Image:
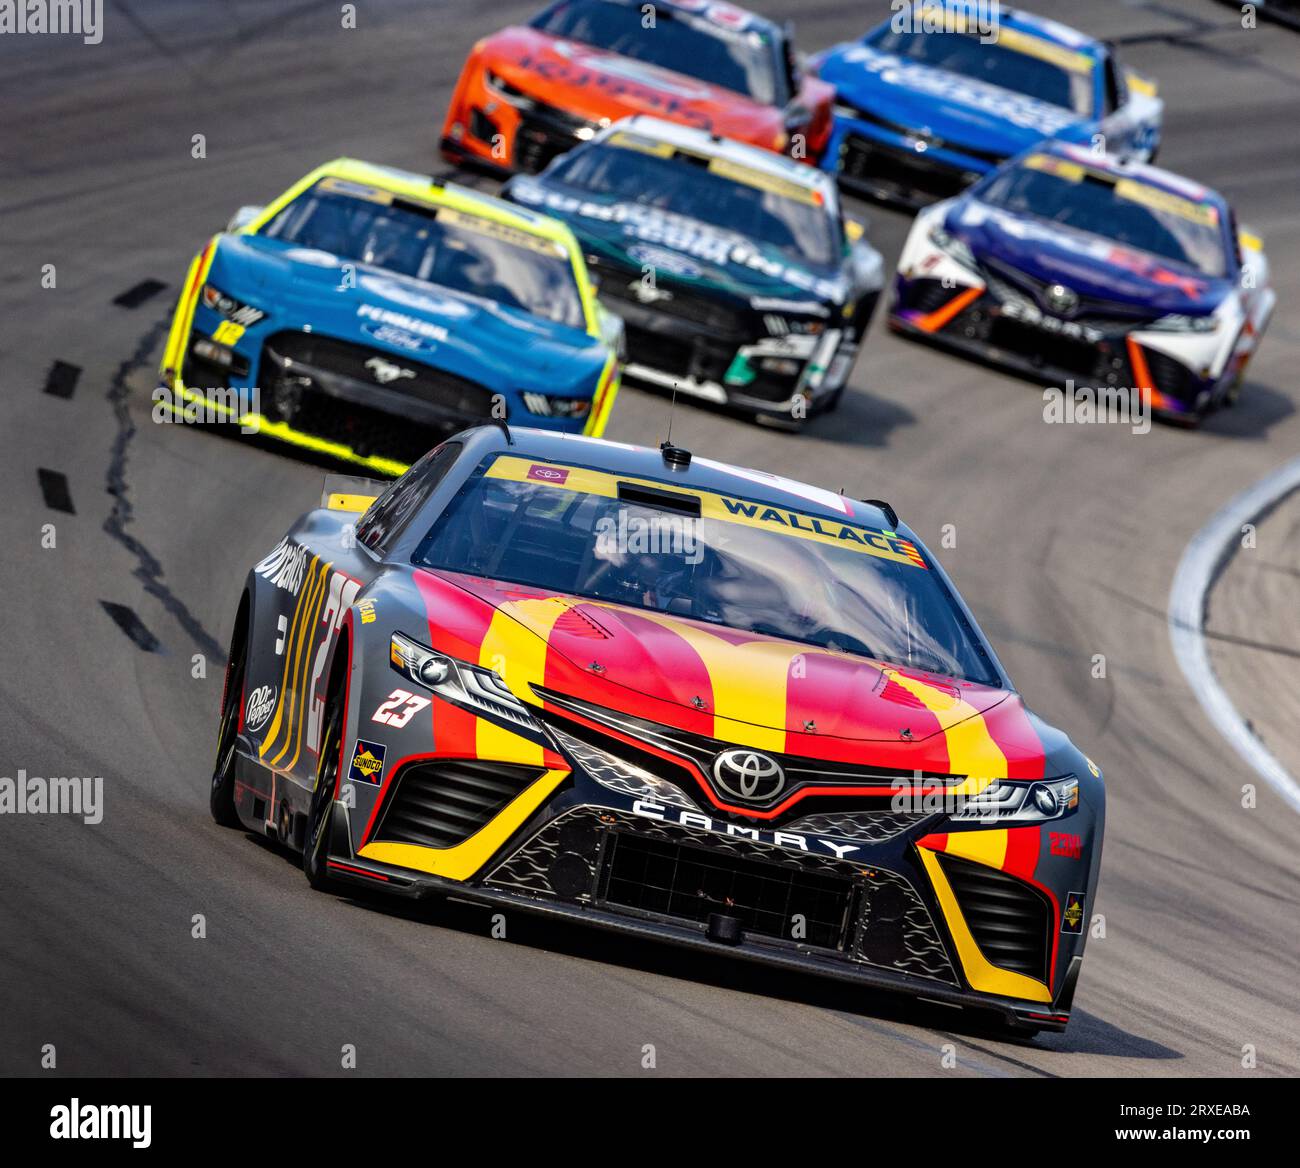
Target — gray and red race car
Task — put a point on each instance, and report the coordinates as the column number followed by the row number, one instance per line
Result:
column 664, row 696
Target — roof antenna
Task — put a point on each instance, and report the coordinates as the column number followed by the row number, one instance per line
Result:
column 674, row 456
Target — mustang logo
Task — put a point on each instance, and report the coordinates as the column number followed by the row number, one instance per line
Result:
column 385, row 372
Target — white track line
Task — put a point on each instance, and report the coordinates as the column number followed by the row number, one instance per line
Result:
column 1209, row 550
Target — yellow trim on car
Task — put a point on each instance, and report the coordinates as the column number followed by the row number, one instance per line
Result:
column 463, row 860
column 982, row 974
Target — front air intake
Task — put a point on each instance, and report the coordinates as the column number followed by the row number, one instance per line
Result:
column 1010, row 920
column 442, row 802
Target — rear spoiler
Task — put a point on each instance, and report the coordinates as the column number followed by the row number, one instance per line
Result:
column 350, row 493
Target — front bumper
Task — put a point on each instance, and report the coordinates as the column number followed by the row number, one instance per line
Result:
column 970, row 320
column 490, row 132
column 910, row 170
column 731, row 360
column 310, row 393
column 865, row 908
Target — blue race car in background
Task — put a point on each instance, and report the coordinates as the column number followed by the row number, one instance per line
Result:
column 1069, row 267
column 369, row 312
column 931, row 100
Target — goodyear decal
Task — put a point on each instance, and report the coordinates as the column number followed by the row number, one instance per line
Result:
column 502, row 231
column 1139, row 192
column 887, row 545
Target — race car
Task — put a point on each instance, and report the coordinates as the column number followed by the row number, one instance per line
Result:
column 532, row 92
column 1115, row 277
column 935, row 98
column 668, row 697
column 735, row 273
column 368, row 312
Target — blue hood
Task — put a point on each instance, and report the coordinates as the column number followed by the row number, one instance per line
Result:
column 960, row 110
column 501, row 348
column 1091, row 266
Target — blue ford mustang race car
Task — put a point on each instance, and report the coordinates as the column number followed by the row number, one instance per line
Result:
column 934, row 98
column 1068, row 266
column 368, row 312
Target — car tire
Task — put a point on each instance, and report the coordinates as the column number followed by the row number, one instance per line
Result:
column 221, row 798
column 315, row 850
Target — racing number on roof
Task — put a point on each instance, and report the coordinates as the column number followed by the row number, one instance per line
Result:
column 342, row 592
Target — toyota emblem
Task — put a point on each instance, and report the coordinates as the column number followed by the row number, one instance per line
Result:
column 749, row 775
column 1061, row 299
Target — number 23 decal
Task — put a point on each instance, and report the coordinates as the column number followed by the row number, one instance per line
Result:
column 399, row 709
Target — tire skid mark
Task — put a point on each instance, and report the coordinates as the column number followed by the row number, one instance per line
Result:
column 148, row 570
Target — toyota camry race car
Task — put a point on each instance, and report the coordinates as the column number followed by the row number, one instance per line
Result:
column 941, row 93
column 1073, row 268
column 735, row 273
column 530, row 93
column 668, row 697
column 368, row 312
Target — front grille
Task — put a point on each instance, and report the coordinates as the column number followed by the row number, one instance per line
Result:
column 1049, row 350
column 433, row 386
column 667, row 354
column 1091, row 310
column 443, row 802
column 293, row 363
column 1170, row 376
column 691, row 756
column 545, row 132
column 718, row 318
column 650, row 867
column 1010, row 920
column 873, row 826
column 669, row 879
column 907, row 172
column 932, row 141
column 926, row 295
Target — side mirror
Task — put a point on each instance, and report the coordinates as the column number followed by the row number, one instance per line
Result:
column 242, row 218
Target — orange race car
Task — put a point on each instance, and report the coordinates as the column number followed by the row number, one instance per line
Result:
column 532, row 92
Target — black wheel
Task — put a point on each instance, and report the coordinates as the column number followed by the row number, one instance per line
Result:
column 316, row 850
column 221, row 800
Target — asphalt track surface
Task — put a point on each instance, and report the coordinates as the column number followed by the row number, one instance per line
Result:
column 1067, row 538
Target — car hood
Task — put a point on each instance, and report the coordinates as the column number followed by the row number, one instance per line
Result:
column 595, row 84
column 466, row 335
column 758, row 690
column 960, row 110
column 1089, row 265
column 681, row 249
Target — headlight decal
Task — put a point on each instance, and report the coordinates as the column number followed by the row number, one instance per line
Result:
column 471, row 687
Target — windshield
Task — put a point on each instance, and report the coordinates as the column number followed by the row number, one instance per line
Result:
column 736, row 58
column 1126, row 210
column 705, row 556
column 731, row 197
column 1023, row 64
column 439, row 245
